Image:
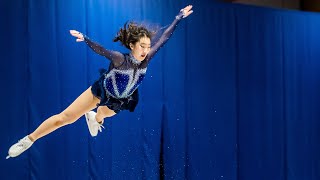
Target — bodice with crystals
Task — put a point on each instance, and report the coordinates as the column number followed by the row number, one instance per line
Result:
column 122, row 81
column 125, row 73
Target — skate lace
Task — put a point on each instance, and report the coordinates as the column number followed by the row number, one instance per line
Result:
column 22, row 143
column 100, row 127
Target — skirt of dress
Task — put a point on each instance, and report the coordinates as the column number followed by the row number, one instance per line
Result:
column 115, row 104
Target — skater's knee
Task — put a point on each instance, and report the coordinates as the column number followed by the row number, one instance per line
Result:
column 65, row 118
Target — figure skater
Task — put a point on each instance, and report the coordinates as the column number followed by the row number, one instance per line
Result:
column 116, row 89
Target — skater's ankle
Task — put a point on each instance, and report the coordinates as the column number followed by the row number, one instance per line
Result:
column 31, row 138
column 99, row 120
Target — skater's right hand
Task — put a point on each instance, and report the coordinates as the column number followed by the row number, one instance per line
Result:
column 186, row 11
column 77, row 34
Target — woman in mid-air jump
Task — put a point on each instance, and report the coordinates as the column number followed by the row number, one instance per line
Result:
column 116, row 89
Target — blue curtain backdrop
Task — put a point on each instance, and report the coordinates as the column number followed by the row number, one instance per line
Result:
column 233, row 95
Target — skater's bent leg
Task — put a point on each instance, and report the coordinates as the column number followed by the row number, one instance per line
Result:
column 103, row 112
column 84, row 103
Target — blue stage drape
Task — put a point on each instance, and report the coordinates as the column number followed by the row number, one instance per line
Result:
column 234, row 94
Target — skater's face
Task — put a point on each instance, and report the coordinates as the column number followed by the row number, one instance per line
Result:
column 141, row 48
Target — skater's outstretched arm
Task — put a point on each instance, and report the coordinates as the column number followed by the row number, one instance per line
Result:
column 185, row 12
column 116, row 57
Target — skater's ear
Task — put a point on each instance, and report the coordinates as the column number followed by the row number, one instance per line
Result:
column 131, row 46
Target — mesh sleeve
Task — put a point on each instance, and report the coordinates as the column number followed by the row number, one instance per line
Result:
column 116, row 57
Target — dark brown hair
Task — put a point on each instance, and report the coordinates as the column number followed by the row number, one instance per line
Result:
column 132, row 33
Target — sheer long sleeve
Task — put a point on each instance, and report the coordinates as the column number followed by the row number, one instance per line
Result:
column 165, row 36
column 116, row 57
